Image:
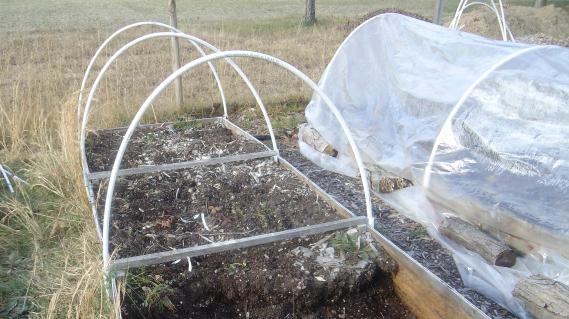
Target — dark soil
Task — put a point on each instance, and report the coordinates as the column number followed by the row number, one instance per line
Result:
column 402, row 231
column 161, row 211
column 171, row 143
column 313, row 277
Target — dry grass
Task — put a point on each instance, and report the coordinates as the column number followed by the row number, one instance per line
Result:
column 50, row 263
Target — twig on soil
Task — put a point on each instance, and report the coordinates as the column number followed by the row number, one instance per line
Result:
column 321, row 241
column 203, row 222
column 207, row 239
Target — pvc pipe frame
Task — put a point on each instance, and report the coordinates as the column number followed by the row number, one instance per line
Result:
column 448, row 122
column 130, row 26
column 184, row 69
column 158, row 35
column 500, row 15
column 80, row 100
column 121, row 51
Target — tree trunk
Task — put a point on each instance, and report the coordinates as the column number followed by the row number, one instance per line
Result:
column 310, row 12
column 540, row 3
column 175, row 53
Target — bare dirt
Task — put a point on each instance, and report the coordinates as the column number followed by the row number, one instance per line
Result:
column 322, row 276
column 163, row 211
column 170, row 143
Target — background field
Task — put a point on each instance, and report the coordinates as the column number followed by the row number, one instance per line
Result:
column 49, row 252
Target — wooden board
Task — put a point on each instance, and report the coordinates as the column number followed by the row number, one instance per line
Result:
column 340, row 209
column 236, row 130
column 176, row 166
column 426, row 295
column 521, row 234
column 162, row 257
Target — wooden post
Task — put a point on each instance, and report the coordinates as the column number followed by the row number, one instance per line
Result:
column 175, row 53
column 438, row 16
column 540, row 3
column 310, row 12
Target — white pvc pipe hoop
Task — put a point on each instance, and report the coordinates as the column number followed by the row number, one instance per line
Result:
column 152, row 97
column 134, row 25
column 107, row 65
column 448, row 122
column 88, row 186
column 500, row 16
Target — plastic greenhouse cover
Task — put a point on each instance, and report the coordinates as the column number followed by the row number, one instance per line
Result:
column 492, row 116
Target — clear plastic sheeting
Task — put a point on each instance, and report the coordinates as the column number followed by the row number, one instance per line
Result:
column 481, row 128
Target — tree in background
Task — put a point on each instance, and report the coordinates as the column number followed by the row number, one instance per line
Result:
column 310, row 12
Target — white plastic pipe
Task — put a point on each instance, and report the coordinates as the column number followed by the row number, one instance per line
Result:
column 500, row 16
column 161, row 35
column 83, row 134
column 448, row 122
column 6, row 179
column 186, row 68
column 134, row 25
column 84, row 82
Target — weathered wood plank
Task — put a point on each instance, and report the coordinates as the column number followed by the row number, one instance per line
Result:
column 427, row 296
column 187, row 164
column 236, row 130
column 157, row 258
column 543, row 297
column 340, row 209
column 494, row 251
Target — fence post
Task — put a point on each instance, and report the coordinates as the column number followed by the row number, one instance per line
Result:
column 175, row 53
column 438, row 16
column 310, row 12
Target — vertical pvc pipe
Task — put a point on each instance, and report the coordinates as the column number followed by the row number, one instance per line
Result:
column 80, row 100
column 184, row 69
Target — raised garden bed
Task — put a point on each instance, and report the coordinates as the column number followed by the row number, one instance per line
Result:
column 226, row 211
column 343, row 274
column 167, row 143
column 200, row 205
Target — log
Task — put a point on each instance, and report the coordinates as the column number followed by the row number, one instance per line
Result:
column 311, row 137
column 543, row 297
column 494, row 251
